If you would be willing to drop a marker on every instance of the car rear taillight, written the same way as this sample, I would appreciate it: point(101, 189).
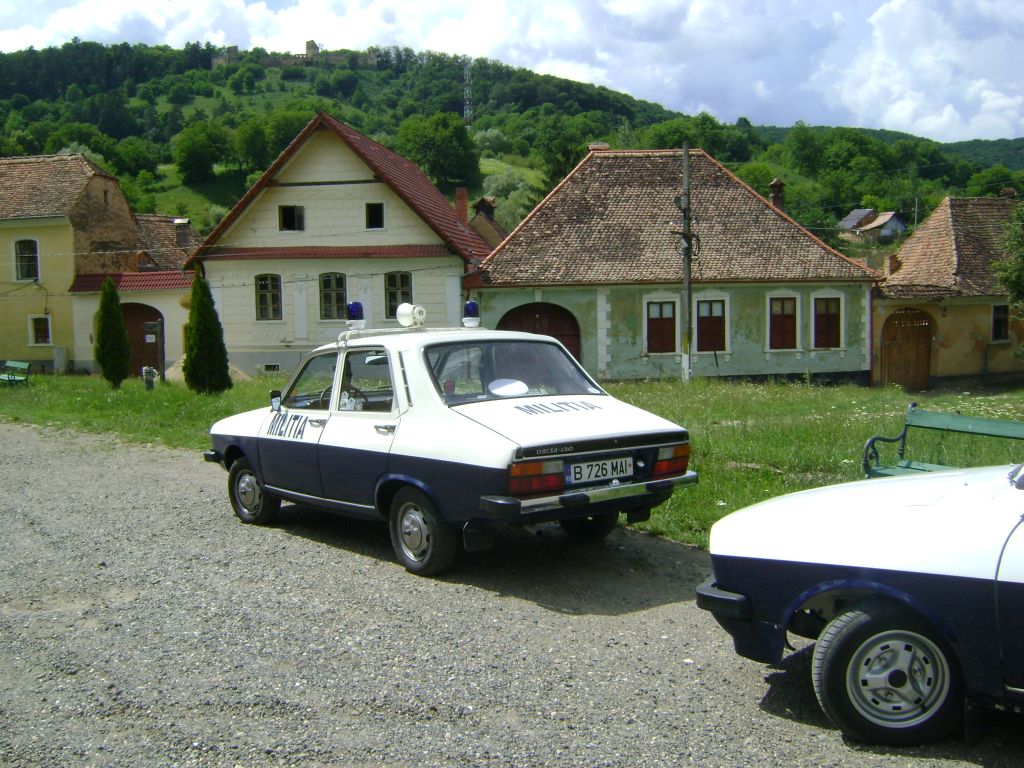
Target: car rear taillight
point(672, 460)
point(531, 477)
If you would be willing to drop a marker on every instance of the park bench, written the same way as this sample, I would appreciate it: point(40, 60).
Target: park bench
point(15, 372)
point(918, 418)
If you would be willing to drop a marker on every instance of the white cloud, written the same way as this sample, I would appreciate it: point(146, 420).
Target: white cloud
point(941, 68)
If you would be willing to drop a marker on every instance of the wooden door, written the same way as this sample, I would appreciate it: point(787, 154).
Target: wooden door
point(146, 346)
point(906, 348)
point(548, 319)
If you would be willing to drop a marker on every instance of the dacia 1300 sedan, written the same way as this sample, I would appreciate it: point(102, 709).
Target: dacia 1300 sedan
point(447, 434)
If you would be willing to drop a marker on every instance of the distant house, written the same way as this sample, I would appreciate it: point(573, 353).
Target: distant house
point(868, 224)
point(598, 264)
point(337, 218)
point(940, 312)
point(63, 220)
point(884, 228)
point(856, 218)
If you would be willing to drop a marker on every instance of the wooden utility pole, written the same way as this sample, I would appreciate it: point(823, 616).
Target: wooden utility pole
point(683, 202)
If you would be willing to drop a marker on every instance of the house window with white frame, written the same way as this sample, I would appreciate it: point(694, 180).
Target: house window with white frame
point(661, 327)
point(26, 260)
point(291, 218)
point(711, 325)
point(1000, 322)
point(268, 297)
point(333, 304)
point(397, 290)
point(828, 322)
point(39, 330)
point(375, 215)
point(782, 322)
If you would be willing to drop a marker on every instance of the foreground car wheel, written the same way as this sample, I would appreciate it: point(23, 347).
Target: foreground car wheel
point(885, 676)
point(590, 528)
point(248, 500)
point(424, 543)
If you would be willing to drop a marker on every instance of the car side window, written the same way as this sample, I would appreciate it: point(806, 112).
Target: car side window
point(366, 381)
point(312, 387)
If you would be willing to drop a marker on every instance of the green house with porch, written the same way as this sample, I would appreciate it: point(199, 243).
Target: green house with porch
point(599, 264)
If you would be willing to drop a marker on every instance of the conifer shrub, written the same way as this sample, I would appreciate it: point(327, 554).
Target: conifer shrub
point(206, 357)
point(112, 351)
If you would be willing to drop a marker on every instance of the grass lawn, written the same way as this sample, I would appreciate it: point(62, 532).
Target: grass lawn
point(750, 441)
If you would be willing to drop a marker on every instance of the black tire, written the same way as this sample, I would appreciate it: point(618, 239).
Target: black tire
point(590, 528)
point(424, 542)
point(885, 676)
point(250, 502)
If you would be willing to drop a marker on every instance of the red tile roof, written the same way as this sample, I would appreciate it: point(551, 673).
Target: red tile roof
point(614, 220)
point(951, 252)
point(43, 185)
point(127, 282)
point(403, 176)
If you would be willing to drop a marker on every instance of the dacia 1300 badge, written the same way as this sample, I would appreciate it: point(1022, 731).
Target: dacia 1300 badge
point(446, 434)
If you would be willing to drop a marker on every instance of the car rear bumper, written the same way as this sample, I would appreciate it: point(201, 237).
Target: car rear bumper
point(586, 501)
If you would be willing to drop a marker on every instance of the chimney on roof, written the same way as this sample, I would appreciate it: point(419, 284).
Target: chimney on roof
point(462, 204)
point(598, 146)
point(181, 233)
point(778, 188)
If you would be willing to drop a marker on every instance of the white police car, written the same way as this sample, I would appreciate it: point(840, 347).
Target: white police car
point(912, 586)
point(446, 433)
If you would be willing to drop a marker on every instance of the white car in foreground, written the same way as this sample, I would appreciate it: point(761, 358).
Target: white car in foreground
point(913, 588)
point(446, 433)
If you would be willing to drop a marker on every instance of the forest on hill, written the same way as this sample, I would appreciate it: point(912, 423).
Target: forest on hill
point(188, 130)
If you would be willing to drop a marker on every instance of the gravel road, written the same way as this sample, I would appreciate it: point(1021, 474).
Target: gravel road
point(142, 625)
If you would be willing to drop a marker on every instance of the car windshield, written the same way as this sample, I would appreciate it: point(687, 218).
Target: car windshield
point(492, 370)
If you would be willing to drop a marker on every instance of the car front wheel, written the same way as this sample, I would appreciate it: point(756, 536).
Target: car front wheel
point(424, 542)
point(885, 676)
point(248, 499)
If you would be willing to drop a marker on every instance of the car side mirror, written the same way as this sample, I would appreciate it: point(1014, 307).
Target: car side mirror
point(275, 400)
point(1016, 477)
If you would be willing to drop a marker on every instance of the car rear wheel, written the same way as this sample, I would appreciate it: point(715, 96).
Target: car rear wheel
point(424, 542)
point(248, 499)
point(590, 528)
point(885, 676)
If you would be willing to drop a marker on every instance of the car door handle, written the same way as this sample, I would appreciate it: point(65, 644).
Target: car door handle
point(317, 422)
point(385, 429)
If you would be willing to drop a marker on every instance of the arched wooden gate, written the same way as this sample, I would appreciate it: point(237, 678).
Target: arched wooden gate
point(549, 319)
point(146, 346)
point(906, 348)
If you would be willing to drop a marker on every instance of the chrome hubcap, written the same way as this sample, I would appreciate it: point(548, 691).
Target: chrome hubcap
point(897, 678)
point(415, 532)
point(248, 492)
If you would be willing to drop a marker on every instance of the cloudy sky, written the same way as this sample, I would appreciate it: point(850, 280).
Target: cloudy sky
point(946, 69)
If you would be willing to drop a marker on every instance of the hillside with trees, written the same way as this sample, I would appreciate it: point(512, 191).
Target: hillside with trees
point(187, 131)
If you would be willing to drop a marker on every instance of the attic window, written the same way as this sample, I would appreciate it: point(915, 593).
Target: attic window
point(375, 215)
point(290, 218)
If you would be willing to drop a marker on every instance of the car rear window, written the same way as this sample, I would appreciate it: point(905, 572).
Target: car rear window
point(492, 370)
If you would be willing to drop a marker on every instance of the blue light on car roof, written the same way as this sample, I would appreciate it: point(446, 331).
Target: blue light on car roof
point(355, 310)
point(472, 309)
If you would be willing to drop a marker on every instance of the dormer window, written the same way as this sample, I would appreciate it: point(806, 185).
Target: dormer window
point(290, 218)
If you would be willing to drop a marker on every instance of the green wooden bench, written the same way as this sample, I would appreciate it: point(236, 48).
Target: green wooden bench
point(918, 418)
point(15, 372)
